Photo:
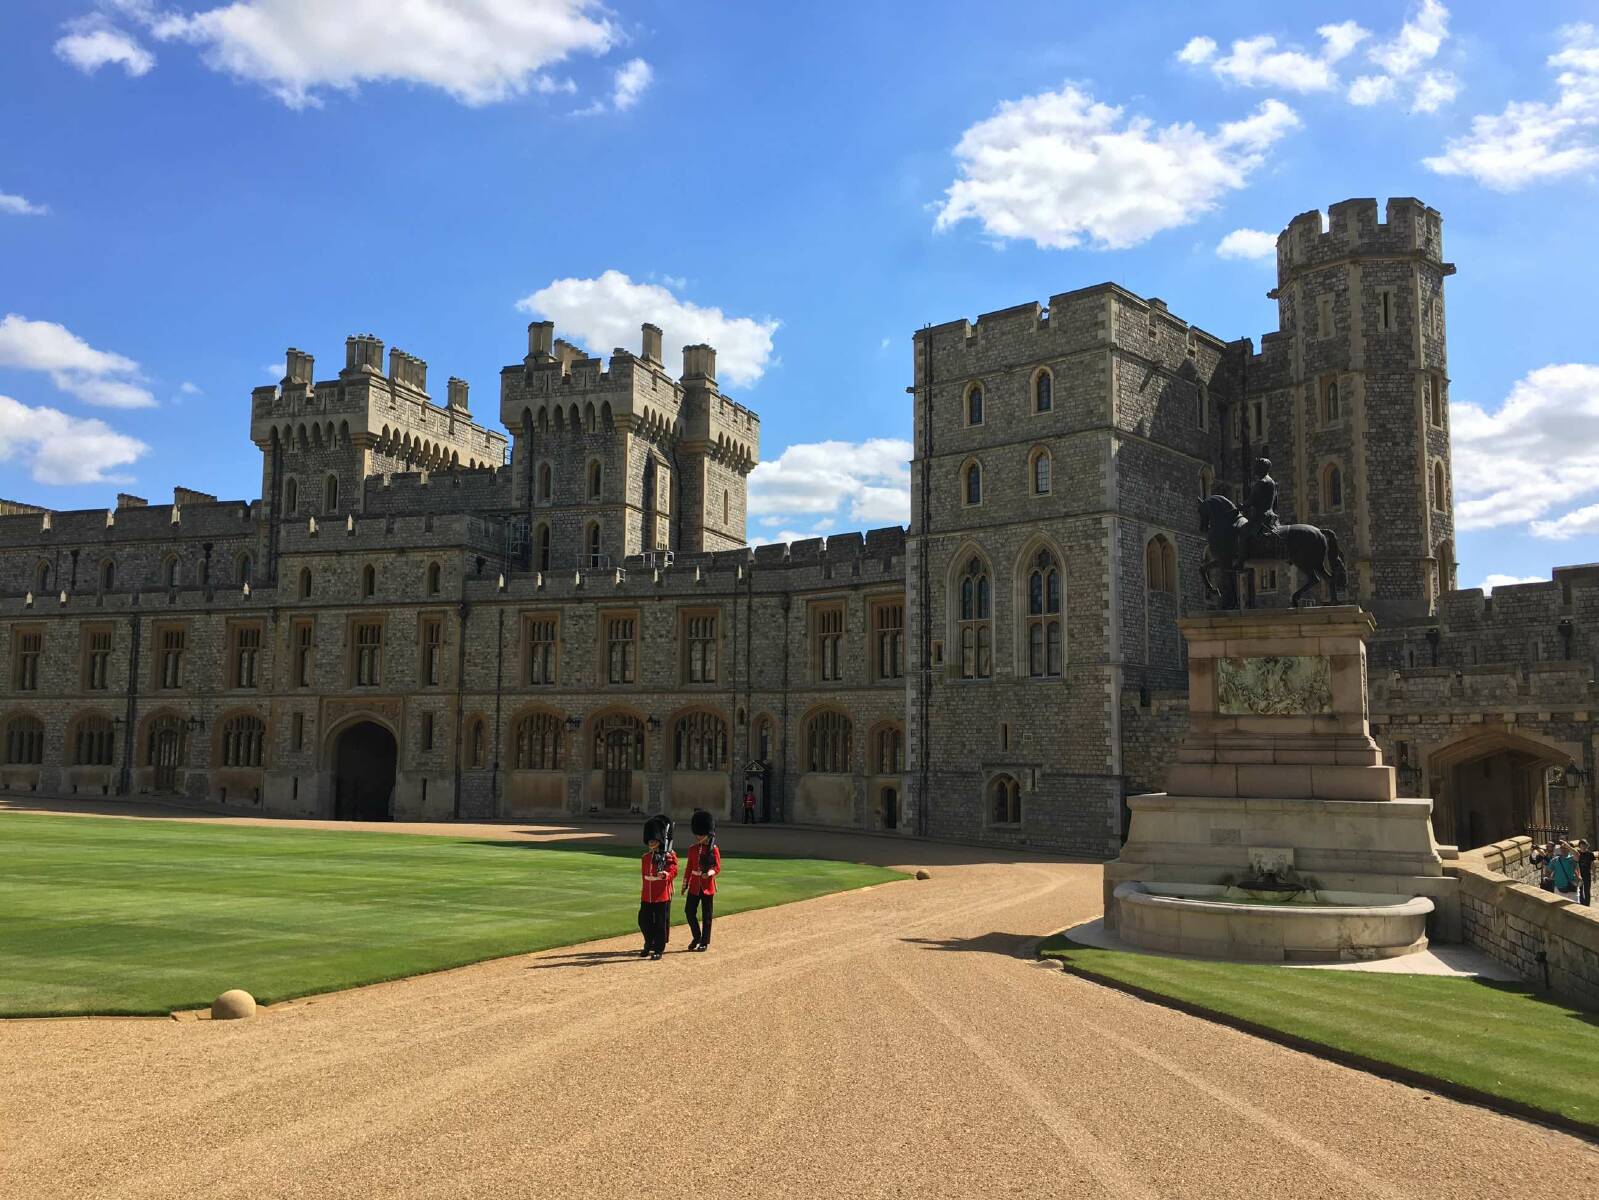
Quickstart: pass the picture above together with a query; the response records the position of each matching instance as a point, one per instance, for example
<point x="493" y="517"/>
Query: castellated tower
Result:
<point x="1350" y="398"/>
<point x="320" y="440"/>
<point x="616" y="459"/>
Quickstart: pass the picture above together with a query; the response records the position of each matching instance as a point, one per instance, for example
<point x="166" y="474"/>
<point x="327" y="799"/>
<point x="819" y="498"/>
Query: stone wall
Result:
<point x="1525" y="928"/>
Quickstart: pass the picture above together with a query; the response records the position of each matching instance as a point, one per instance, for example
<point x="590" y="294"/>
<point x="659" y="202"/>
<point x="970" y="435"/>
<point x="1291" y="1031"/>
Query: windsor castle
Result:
<point x="422" y="619"/>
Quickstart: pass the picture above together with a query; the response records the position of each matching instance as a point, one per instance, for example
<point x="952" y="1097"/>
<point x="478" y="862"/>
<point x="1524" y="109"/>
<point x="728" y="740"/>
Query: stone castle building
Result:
<point x="422" y="619"/>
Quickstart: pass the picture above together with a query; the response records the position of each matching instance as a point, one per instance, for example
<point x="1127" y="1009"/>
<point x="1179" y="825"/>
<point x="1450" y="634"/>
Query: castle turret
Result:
<point x="1361" y="443"/>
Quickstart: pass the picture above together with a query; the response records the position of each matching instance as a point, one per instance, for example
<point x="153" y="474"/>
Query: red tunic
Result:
<point x="703" y="882"/>
<point x="657" y="888"/>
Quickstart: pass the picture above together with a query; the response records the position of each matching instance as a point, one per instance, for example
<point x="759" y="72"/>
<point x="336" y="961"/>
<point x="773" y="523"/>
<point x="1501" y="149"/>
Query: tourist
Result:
<point x="749" y="804"/>
<point x="699" y="885"/>
<point x="659" y="868"/>
<point x="1540" y="863"/>
<point x="1563" y="870"/>
<point x="1584" y="872"/>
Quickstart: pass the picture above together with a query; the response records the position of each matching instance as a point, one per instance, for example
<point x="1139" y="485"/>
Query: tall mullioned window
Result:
<point x="541" y="651"/>
<point x="169" y="663"/>
<point x="368" y="654"/>
<point x="827" y="743"/>
<point x="246" y="652"/>
<point x="621" y="649"/>
<point x="302" y="653"/>
<point x="1160" y="565"/>
<point x="974" y="404"/>
<point x="432" y="651"/>
<point x="1005" y="801"/>
<point x="1043" y="392"/>
<point x="242" y="740"/>
<point x="29" y="649"/>
<point x="94" y="743"/>
<point x="700" y="648"/>
<point x="888" y="636"/>
<point x="973" y="483"/>
<point x="699" y="743"/>
<point x="24" y="742"/>
<point x="1043" y="616"/>
<point x="97" y="663"/>
<point x="827" y="641"/>
<point x="1041" y="465"/>
<point x="976" y="626"/>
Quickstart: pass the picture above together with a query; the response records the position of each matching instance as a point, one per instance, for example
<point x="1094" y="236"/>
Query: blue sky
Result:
<point x="187" y="187"/>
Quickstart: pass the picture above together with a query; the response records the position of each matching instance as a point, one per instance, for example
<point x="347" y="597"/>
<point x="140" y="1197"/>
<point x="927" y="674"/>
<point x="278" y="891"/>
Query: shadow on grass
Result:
<point x="613" y="850"/>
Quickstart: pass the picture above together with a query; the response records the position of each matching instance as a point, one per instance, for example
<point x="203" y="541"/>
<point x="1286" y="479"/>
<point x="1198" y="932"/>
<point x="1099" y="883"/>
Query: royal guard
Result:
<point x="699" y="885"/>
<point x="659" y="868"/>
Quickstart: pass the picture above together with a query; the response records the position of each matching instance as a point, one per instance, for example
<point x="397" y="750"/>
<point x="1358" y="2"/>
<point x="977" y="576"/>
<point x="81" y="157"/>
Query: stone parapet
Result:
<point x="1542" y="936"/>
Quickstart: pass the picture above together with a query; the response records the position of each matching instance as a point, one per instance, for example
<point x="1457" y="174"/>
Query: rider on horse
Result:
<point x="1258" y="522"/>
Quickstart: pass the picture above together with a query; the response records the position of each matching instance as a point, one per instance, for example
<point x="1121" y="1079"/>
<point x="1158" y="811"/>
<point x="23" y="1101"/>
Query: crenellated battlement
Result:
<point x="1354" y="229"/>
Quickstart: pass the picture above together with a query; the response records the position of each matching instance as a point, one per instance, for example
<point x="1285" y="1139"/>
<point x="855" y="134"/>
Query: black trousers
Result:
<point x="699" y="904"/>
<point x="655" y="923"/>
<point x="749" y="815"/>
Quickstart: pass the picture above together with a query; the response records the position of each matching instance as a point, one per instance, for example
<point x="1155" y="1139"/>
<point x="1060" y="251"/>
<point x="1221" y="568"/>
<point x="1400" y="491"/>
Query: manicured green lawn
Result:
<point x="120" y="916"/>
<point x="1501" y="1039"/>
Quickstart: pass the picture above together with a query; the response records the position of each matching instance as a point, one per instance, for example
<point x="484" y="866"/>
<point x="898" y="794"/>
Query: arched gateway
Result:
<point x="364" y="759"/>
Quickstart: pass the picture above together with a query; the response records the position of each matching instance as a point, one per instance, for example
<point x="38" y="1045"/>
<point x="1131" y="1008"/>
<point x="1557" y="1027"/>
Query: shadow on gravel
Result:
<point x="1011" y="945"/>
<point x="591" y="958"/>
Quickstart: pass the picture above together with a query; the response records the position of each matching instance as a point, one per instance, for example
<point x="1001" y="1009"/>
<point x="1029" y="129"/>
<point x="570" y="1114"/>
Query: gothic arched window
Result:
<point x="544" y="481"/>
<point x="1332" y="488"/>
<point x="974" y="404"/>
<point x="1160" y="565"/>
<point x="1043" y="392"/>
<point x="973" y="478"/>
<point x="976" y="627"/>
<point x="1041" y="464"/>
<point x="1005" y="800"/>
<point x="330" y="494"/>
<point x="827" y="743"/>
<point x="539" y="742"/>
<point x="1043" y="618"/>
<point x="542" y="561"/>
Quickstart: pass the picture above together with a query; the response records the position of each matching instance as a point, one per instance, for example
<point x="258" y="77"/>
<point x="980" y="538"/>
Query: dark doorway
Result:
<point x="166" y="752"/>
<point x="619" y="769"/>
<point x="890" y="808"/>
<point x="363" y="773"/>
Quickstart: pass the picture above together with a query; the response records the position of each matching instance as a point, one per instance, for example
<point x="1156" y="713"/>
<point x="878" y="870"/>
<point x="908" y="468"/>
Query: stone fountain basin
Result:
<point x="1208" y="920"/>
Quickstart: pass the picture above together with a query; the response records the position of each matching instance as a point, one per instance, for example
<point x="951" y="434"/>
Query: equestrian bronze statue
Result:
<point x="1236" y="536"/>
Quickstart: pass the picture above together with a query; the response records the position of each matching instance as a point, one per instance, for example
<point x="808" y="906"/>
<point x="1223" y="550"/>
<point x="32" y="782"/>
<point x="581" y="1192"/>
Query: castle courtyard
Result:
<point x="895" y="1041"/>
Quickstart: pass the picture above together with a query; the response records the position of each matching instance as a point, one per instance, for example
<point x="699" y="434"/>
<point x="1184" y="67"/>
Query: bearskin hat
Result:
<point x="702" y="823"/>
<point x="658" y="829"/>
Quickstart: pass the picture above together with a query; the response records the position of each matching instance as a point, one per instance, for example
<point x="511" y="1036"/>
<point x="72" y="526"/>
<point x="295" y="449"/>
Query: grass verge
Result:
<point x="106" y="916"/>
<point x="1502" y="1044"/>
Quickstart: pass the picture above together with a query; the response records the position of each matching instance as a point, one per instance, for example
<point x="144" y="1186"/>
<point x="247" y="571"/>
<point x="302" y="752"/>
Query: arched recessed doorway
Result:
<point x="890" y="808"/>
<point x="364" y="758"/>
<point x="1493" y="786"/>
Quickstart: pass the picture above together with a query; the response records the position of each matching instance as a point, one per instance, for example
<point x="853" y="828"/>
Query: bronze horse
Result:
<point x="1314" y="551"/>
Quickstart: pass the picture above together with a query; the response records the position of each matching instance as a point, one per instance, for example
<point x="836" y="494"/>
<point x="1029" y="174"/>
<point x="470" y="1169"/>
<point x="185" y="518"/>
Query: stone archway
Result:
<point x="365" y="759"/>
<point x="1491" y="786"/>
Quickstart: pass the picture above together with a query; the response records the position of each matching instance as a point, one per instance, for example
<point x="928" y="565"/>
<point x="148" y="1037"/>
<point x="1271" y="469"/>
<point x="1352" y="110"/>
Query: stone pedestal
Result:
<point x="1279" y="768"/>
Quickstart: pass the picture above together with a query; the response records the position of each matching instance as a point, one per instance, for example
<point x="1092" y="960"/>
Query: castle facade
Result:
<point x="420" y="618"/>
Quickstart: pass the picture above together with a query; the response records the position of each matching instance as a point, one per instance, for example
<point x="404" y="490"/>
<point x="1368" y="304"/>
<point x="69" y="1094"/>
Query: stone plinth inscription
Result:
<point x="1289" y="685"/>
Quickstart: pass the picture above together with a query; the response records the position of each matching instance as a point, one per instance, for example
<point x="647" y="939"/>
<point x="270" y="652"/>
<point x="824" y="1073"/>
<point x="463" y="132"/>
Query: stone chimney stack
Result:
<point x="297" y="366"/>
<point x="699" y="362"/>
<point x="652" y="344"/>
<point x="363" y="352"/>
<point x="408" y="369"/>
<point x="456" y="391"/>
<point x="540" y="341"/>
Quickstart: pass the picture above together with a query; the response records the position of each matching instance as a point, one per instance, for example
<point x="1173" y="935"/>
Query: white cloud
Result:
<point x="94" y="376"/>
<point x="1534" y="140"/>
<point x="93" y="43"/>
<point x="1260" y="62"/>
<point x="1578" y="521"/>
<point x="1434" y="90"/>
<point x="1493" y="581"/>
<point x="20" y="206"/>
<point x="1372" y="89"/>
<point x="1538" y="453"/>
<point x="1059" y="168"/>
<point x="1417" y="42"/>
<point x="607" y="311"/>
<point x="60" y="449"/>
<point x="631" y="80"/>
<point x="478" y="51"/>
<point x="834" y="486"/>
<point x="188" y="389"/>
<point x="1248" y="243"/>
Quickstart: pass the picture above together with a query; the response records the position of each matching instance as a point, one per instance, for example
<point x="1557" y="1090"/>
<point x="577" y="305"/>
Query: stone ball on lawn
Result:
<point x="232" y="1005"/>
<point x="923" y="873"/>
